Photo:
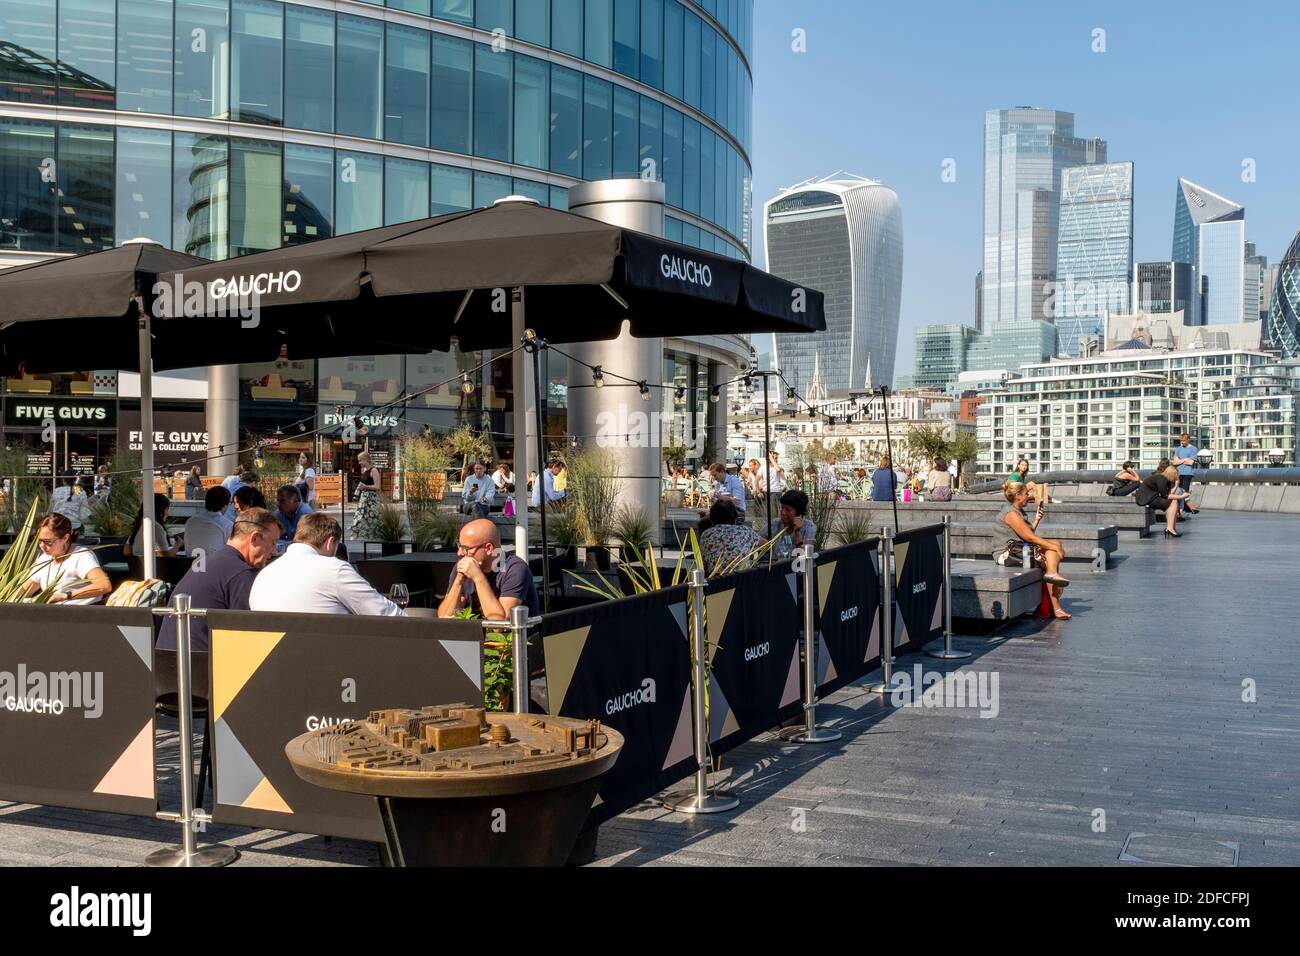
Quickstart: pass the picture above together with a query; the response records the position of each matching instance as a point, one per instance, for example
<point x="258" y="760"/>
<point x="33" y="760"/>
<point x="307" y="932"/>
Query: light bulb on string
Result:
<point x="259" y="460"/>
<point x="597" y="377"/>
<point x="715" y="394"/>
<point x="645" y="391"/>
<point x="466" y="385"/>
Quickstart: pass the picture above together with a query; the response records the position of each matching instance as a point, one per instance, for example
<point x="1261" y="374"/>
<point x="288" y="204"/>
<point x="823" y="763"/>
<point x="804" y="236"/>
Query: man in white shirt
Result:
<point x="828" y="479"/>
<point x="308" y="579"/>
<point x="479" y="493"/>
<point x="728" y="486"/>
<point x="548" y="476"/>
<point x="773" y="483"/>
<point x="208" y="530"/>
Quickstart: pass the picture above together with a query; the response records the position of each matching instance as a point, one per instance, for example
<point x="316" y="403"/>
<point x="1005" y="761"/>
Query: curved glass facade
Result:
<point x="1283" y="328"/>
<point x="379" y="114"/>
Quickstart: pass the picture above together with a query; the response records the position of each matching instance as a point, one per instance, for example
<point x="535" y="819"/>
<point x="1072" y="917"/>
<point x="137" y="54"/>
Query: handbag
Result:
<point x="509" y="508"/>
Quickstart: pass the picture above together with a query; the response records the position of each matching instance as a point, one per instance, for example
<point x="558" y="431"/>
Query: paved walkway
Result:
<point x="1133" y="710"/>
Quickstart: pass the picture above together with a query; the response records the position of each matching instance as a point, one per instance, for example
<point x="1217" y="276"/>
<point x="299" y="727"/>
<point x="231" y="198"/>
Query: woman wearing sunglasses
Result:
<point x="71" y="569"/>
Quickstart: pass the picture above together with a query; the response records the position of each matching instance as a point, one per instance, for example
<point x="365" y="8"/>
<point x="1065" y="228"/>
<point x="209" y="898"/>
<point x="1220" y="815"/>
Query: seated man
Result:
<point x="289" y="509"/>
<point x="490" y="593"/>
<point x="208" y="530"/>
<point x="548" y="476"/>
<point x="308" y="578"/>
<point x="728" y="488"/>
<point x="225" y="577"/>
<point x="479" y="493"/>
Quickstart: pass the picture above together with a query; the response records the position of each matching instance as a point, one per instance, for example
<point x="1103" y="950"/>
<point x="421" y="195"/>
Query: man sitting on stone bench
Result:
<point x="1017" y="534"/>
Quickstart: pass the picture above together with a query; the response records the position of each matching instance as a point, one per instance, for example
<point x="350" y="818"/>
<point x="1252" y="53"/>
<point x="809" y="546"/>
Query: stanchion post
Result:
<point x="809" y="733"/>
<point x="698" y="799"/>
<point x="886" y="613"/>
<point x="188" y="854"/>
<point x="947" y="654"/>
<point x="519" y="654"/>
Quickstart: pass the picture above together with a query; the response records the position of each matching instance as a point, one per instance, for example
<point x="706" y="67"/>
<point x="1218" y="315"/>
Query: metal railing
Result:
<point x="1209" y="476"/>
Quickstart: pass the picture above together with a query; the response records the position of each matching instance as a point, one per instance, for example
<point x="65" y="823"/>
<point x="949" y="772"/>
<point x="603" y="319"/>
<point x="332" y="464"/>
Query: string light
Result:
<point x="715" y="394"/>
<point x="259" y="460"/>
<point x="645" y="391"/>
<point x="597" y="377"/>
<point x="466" y="385"/>
<point x="680" y="392"/>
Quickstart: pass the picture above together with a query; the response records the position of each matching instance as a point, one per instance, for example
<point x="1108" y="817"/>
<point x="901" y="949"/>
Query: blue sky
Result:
<point x="890" y="90"/>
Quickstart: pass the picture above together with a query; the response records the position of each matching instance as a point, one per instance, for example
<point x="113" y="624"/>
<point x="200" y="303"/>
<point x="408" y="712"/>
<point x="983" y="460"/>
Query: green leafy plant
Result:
<point x="854" y="526"/>
<point x="435" y="529"/>
<point x="425" y="460"/>
<point x="470" y="445"/>
<point x="632" y="528"/>
<point x="822" y="508"/>
<point x="498" y="666"/>
<point x="389" y="526"/>
<point x="593" y="483"/>
<point x="107" y="522"/>
<point x="561" y="527"/>
<point x="674" y="456"/>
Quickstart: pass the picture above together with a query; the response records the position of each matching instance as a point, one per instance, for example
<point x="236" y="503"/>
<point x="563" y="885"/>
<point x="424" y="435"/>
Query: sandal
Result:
<point x="1057" y="580"/>
<point x="1062" y="615"/>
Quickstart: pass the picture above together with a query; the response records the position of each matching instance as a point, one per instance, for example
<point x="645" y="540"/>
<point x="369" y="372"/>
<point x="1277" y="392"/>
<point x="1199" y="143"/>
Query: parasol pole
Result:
<point x="146" y="435"/>
<point x="535" y="345"/>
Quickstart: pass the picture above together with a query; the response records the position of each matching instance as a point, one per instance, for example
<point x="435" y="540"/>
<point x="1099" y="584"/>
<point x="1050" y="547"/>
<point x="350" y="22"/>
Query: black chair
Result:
<point x="557" y="564"/>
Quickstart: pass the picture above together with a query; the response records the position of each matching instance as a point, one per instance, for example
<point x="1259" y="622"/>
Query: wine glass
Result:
<point x="399" y="595"/>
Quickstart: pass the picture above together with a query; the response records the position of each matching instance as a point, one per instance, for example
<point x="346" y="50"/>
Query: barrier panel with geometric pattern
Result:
<point x="918" y="587"/>
<point x="753" y="625"/>
<point x="627" y="664"/>
<point x="275" y="676"/>
<point x="848" y="591"/>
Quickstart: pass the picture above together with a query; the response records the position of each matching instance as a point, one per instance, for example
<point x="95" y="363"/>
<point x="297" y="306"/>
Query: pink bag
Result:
<point x="509" y="508"/>
<point x="907" y="494"/>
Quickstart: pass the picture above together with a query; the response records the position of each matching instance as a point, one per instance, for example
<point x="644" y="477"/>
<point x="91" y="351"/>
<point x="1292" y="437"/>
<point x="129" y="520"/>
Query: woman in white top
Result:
<point x="163" y="546"/>
<point x="65" y="565"/>
<point x="938" y="483"/>
<point x="71" y="501"/>
<point x="306" y="479"/>
<point x="504" y="479"/>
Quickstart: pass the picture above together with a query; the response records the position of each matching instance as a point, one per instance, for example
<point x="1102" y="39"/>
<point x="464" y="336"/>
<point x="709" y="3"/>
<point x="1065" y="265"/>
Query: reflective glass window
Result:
<point x="566" y="26"/>
<point x="144" y="55"/>
<point x="674" y="60"/>
<point x="85" y="177"/>
<point x="453" y="93"/>
<point x="691" y="58"/>
<point x="652" y="42"/>
<point x="201" y="45"/>
<point x="599" y="32"/>
<point x="200" y="195"/>
<point x="451" y="189"/>
<point x="566" y="121"/>
<point x="597" y="120"/>
<point x="559" y="197"/>
<point x="458" y="11"/>
<point x="256" y="184"/>
<point x="28" y="191"/>
<point x="406" y="190"/>
<point x="308" y="68"/>
<point x="690" y="165"/>
<point x="495" y="15"/>
<point x="406" y="86"/>
<point x="533" y="21"/>
<point x="533" y="190"/>
<point x="532" y="111"/>
<point x="672" y="165"/>
<point x="30" y="26"/>
<point x="87" y="53"/>
<point x="359" y="107"/>
<point x="708" y="71"/>
<point x="627" y="27"/>
<point x="492" y="103"/>
<point x="652" y="139"/>
<point x="143" y="191"/>
<point x="414" y="6"/>
<point x="361" y="379"/>
<point x="256" y="71"/>
<point x="626" y="147"/>
<point x="489" y="187"/>
<point x="722" y="192"/>
<point x="690" y="234"/>
<point x="358" y="192"/>
<point x="708" y="198"/>
<point x="672" y="229"/>
<point x="308" y="212"/>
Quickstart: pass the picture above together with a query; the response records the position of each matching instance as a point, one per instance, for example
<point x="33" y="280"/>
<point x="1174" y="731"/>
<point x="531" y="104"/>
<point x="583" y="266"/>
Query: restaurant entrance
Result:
<point x="58" y="435"/>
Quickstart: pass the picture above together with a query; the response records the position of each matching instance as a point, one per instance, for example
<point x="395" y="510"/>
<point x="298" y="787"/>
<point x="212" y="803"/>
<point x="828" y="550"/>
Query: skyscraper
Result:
<point x="1283" y="328"/>
<point x="1094" y="260"/>
<point x="1257" y="291"/>
<point x="1210" y="235"/>
<point x="843" y="236"/>
<point x="1164" y="287"/>
<point x="941" y="354"/>
<point x="1025" y="150"/>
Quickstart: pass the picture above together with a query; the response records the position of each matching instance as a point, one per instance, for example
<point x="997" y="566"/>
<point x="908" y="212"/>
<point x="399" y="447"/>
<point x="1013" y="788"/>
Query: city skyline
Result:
<point x="1046" y="60"/>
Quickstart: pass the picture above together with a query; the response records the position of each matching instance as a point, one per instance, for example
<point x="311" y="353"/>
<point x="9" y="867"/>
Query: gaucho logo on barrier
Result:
<point x="264" y="283"/>
<point x="757" y="651"/>
<point x="687" y="270"/>
<point x="848" y="614"/>
<point x="645" y="694"/>
<point x="52" y="693"/>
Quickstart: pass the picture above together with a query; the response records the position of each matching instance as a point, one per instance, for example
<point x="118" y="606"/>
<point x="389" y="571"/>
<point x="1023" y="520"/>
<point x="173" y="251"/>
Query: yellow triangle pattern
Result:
<point x="717" y="606"/>
<point x="266" y="797"/>
<point x="236" y="656"/>
<point x="900" y="559"/>
<point x="825" y="578"/>
<point x="562" y="653"/>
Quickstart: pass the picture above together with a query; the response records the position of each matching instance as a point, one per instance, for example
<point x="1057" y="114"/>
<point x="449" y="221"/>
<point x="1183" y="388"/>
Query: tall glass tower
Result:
<point x="845" y="238"/>
<point x="1210" y="235"/>
<point x="1283" y="328"/>
<point x="1094" y="260"/>
<point x="1025" y="151"/>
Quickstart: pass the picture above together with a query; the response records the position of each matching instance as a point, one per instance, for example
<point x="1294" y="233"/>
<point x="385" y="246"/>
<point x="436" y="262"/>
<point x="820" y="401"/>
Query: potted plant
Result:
<point x="425" y="460"/>
<point x="593" y="483"/>
<point x="436" y="531"/>
<point x="390" y="530"/>
<point x="632" y="530"/>
<point x="562" y="532"/>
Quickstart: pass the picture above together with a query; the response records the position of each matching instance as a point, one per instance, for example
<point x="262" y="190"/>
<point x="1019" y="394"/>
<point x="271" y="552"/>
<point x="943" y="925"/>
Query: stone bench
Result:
<point x="1131" y="521"/>
<point x="985" y="591"/>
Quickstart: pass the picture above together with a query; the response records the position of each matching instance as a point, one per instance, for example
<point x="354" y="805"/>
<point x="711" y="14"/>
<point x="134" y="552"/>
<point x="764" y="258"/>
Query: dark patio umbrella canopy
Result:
<point x="405" y="285"/>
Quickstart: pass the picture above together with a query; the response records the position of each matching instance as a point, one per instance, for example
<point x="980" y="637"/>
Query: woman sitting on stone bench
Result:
<point x="1045" y="553"/>
<point x="1160" y="492"/>
<point x="1127" y="481"/>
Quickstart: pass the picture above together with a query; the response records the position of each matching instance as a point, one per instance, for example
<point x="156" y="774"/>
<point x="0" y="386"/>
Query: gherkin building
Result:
<point x="1284" y="315"/>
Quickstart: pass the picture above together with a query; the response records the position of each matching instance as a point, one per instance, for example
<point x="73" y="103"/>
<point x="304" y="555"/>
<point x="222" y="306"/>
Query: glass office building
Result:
<point x="941" y="352"/>
<point x="225" y="127"/>
<point x="1283" y="329"/>
<point x="844" y="237"/>
<point x="1025" y="152"/>
<point x="1164" y="287"/>
<point x="1210" y="236"/>
<point x="1094" y="260"/>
